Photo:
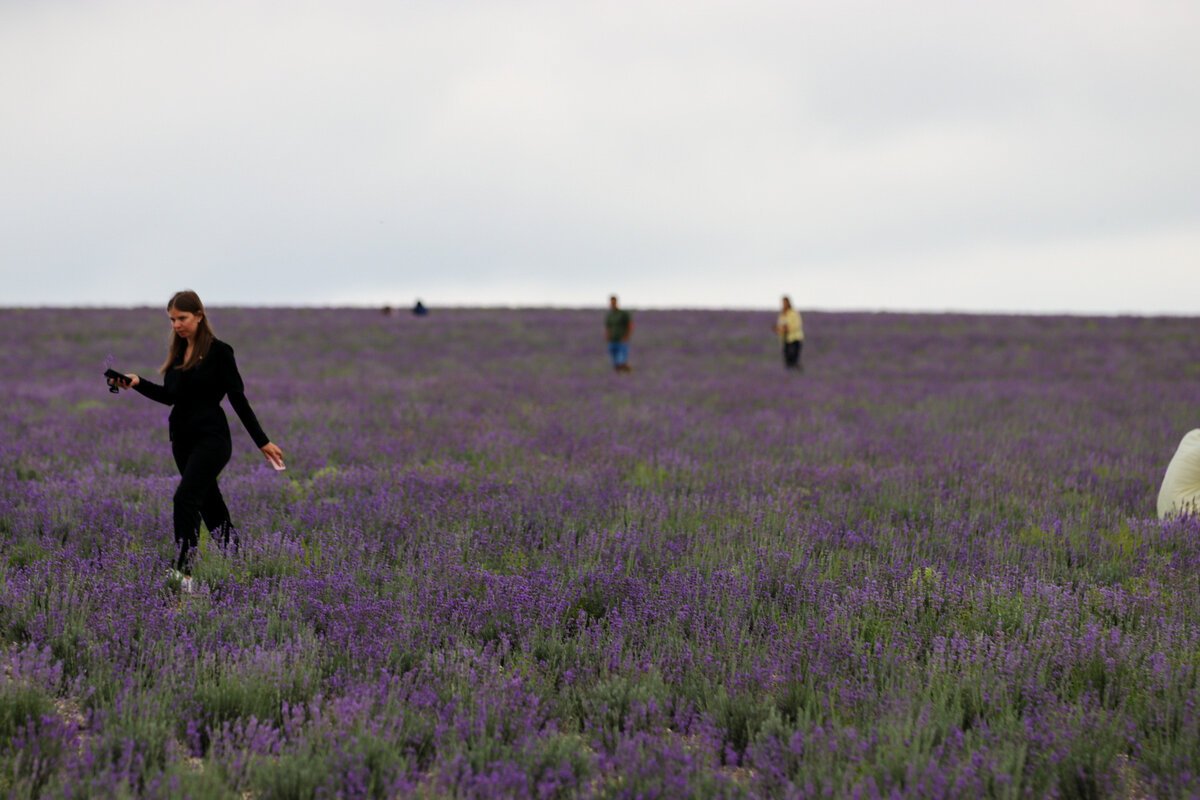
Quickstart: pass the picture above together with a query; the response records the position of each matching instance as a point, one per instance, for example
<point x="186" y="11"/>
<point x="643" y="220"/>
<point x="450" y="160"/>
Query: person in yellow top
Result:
<point x="790" y="329"/>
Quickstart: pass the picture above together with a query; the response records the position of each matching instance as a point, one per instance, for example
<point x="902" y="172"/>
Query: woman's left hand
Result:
<point x="273" y="454"/>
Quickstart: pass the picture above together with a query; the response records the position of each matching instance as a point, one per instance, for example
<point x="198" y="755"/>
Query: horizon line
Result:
<point x="651" y="307"/>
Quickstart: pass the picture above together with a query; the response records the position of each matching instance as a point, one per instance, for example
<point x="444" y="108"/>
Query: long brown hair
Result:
<point x="188" y="301"/>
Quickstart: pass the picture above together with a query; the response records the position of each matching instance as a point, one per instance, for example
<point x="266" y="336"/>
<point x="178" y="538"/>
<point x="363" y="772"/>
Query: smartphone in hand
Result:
<point x="113" y="375"/>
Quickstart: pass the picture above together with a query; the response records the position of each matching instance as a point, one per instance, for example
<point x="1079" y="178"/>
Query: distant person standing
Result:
<point x="790" y="329"/>
<point x="618" y="327"/>
<point x="419" y="310"/>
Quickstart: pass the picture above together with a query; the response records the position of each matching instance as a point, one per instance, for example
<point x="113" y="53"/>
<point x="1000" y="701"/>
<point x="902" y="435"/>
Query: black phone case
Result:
<point x="112" y="374"/>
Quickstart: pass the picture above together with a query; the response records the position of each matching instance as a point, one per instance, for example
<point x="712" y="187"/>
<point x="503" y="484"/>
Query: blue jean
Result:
<point x="618" y="352"/>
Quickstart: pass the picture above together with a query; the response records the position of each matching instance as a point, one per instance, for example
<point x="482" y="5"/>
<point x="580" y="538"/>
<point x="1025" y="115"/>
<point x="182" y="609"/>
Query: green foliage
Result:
<point x="554" y="753"/>
<point x="649" y="476"/>
<point x="25" y="552"/>
<point x="375" y="756"/>
<point x="272" y="565"/>
<point x="198" y="781"/>
<point x="507" y="561"/>
<point x="20" y="703"/>
<point x="797" y="702"/>
<point x="293" y="776"/>
<point x="23" y="472"/>
<point x="593" y="603"/>
<point x="144" y="723"/>
<point x="620" y="704"/>
<point x="989" y="613"/>
<point x="739" y="716"/>
<point x="258" y="688"/>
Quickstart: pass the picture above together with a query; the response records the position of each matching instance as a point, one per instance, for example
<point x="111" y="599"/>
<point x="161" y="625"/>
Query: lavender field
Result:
<point x="927" y="567"/>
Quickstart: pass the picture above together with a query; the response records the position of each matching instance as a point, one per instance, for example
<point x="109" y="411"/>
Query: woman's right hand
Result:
<point x="130" y="381"/>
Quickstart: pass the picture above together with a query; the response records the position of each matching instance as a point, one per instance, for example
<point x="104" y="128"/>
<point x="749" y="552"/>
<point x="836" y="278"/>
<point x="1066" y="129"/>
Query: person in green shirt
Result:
<point x="618" y="327"/>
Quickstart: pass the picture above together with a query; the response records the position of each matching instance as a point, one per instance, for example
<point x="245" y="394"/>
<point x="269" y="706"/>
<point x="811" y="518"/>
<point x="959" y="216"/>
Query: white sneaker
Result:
<point x="187" y="584"/>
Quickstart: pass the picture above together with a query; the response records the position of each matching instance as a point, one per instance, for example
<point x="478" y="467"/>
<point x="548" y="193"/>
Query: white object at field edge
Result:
<point x="1180" y="492"/>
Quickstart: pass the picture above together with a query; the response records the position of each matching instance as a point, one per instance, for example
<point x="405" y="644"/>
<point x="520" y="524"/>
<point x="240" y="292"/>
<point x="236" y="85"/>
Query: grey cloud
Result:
<point x="484" y="150"/>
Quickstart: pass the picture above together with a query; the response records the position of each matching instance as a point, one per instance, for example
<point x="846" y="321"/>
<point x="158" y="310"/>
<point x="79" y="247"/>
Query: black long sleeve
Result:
<point x="154" y="391"/>
<point x="236" y="391"/>
<point x="195" y="396"/>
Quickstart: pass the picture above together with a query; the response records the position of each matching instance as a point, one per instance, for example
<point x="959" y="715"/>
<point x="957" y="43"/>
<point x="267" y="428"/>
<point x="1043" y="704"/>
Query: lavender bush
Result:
<point x="928" y="567"/>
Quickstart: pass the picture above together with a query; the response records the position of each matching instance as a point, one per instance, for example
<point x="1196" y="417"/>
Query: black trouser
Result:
<point x="791" y="353"/>
<point x="200" y="461"/>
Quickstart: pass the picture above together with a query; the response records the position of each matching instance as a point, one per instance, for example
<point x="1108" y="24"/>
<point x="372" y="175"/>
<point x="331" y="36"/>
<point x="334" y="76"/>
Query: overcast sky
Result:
<point x="1034" y="155"/>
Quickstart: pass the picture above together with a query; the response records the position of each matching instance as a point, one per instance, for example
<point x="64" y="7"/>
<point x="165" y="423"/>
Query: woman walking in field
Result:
<point x="199" y="370"/>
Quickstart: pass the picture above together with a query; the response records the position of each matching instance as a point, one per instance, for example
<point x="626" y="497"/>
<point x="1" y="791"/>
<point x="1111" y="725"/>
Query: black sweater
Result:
<point x="195" y="396"/>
